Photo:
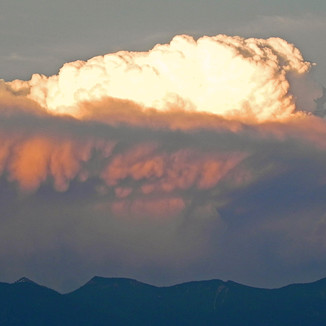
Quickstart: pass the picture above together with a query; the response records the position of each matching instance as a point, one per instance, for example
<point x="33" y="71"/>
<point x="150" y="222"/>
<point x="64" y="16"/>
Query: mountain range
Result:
<point x="121" y="301"/>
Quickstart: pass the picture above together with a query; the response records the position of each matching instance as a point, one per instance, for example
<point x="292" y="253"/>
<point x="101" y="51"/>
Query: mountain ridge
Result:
<point x="101" y="279"/>
<point x="124" y="301"/>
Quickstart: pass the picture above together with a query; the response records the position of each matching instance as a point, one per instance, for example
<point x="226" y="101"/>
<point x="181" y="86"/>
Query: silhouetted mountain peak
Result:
<point x="98" y="285"/>
<point x="114" y="281"/>
<point x="25" y="280"/>
<point x="95" y="280"/>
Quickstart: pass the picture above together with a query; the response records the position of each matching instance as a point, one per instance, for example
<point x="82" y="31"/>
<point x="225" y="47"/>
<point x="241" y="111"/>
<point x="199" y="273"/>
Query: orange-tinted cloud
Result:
<point x="191" y="156"/>
<point x="198" y="109"/>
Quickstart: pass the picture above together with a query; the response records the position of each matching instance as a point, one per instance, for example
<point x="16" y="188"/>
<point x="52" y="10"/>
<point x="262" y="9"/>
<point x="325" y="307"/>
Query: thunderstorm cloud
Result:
<point x="192" y="160"/>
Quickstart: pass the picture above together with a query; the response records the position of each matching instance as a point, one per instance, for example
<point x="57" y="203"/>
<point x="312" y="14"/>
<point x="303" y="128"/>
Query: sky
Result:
<point x="165" y="141"/>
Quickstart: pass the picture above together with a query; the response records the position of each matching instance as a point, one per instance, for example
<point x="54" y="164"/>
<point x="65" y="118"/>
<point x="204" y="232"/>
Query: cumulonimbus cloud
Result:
<point x="221" y="85"/>
<point x="228" y="76"/>
<point x="165" y="151"/>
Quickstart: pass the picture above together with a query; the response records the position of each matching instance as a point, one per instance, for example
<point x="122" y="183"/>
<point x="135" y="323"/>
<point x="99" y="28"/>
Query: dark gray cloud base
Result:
<point x="174" y="196"/>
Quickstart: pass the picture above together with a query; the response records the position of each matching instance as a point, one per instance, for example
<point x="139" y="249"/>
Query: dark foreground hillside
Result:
<point x="119" y="301"/>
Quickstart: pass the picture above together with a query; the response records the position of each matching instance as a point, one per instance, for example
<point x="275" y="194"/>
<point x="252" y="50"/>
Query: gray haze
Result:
<point x="38" y="36"/>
